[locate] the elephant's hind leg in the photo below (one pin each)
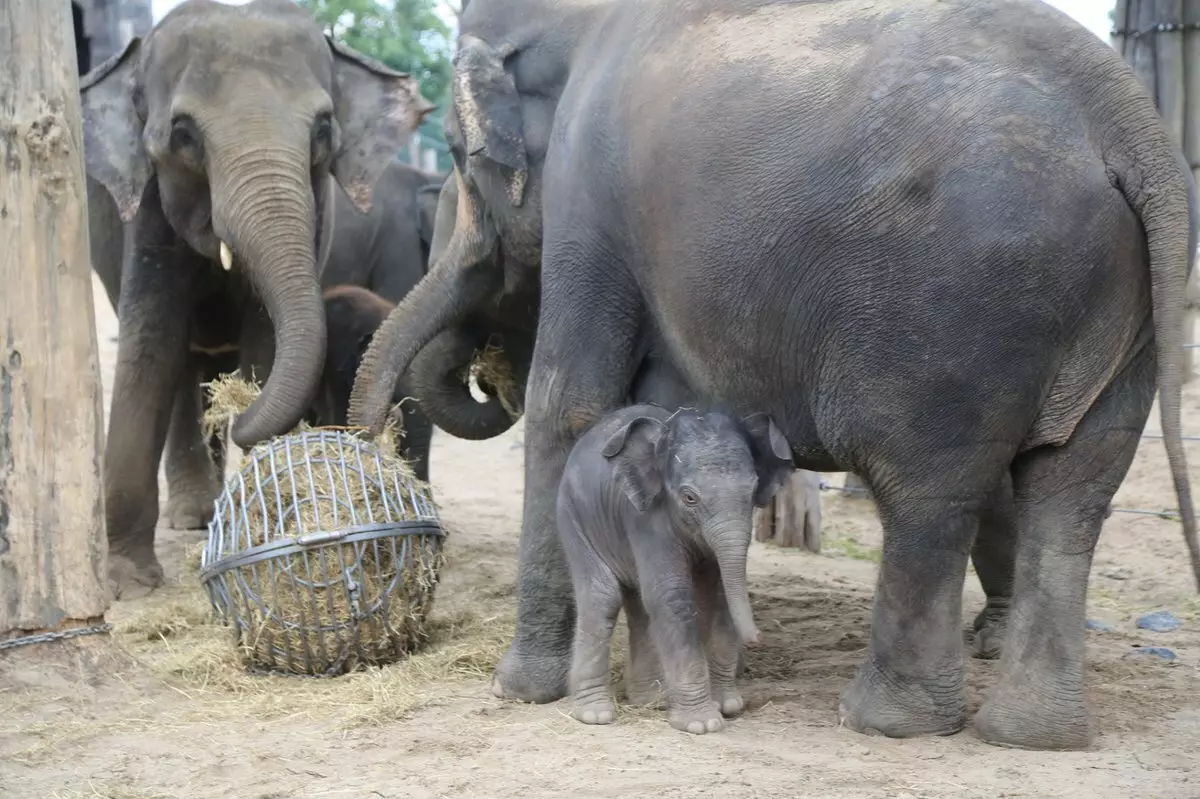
(1062, 495)
(913, 681)
(994, 555)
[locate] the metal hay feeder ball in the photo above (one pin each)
(323, 555)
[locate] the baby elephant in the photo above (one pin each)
(654, 512)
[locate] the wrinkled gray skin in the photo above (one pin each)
(654, 513)
(956, 268)
(223, 125)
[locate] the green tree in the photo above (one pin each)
(407, 35)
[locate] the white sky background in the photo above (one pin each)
(1093, 14)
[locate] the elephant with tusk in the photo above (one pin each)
(213, 149)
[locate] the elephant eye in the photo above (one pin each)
(184, 134)
(322, 137)
(689, 496)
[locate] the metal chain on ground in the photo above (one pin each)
(42, 638)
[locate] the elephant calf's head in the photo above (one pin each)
(241, 114)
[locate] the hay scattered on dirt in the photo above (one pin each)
(491, 367)
(335, 607)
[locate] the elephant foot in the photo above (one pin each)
(990, 627)
(528, 677)
(190, 510)
(697, 721)
(130, 577)
(730, 701)
(594, 710)
(1029, 717)
(885, 703)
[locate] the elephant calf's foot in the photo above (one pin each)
(190, 510)
(990, 627)
(730, 701)
(531, 678)
(698, 721)
(592, 709)
(130, 577)
(878, 703)
(1033, 717)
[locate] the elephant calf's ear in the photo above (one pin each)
(772, 456)
(488, 111)
(377, 110)
(634, 452)
(112, 129)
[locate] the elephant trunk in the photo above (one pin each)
(263, 210)
(730, 542)
(438, 378)
(462, 279)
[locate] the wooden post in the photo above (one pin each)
(53, 550)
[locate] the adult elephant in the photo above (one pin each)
(215, 140)
(952, 264)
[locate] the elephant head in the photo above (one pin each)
(241, 114)
(486, 256)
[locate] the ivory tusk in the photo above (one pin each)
(226, 256)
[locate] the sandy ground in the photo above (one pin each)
(163, 711)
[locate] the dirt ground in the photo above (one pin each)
(163, 710)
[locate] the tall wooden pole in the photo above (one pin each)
(53, 549)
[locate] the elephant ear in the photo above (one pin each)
(488, 111)
(772, 456)
(427, 205)
(112, 129)
(377, 110)
(634, 452)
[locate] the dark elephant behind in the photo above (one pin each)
(948, 254)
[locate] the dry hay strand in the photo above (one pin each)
(175, 634)
(492, 368)
(313, 603)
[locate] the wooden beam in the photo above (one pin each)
(53, 549)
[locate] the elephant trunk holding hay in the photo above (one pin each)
(216, 139)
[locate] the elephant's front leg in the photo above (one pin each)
(574, 380)
(151, 355)
(193, 478)
(677, 625)
(721, 639)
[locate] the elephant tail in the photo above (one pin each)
(1159, 187)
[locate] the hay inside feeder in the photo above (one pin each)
(324, 550)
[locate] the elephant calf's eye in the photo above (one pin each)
(689, 496)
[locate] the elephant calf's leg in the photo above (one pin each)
(599, 602)
(1062, 496)
(722, 641)
(192, 478)
(994, 555)
(643, 674)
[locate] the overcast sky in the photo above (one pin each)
(1092, 13)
